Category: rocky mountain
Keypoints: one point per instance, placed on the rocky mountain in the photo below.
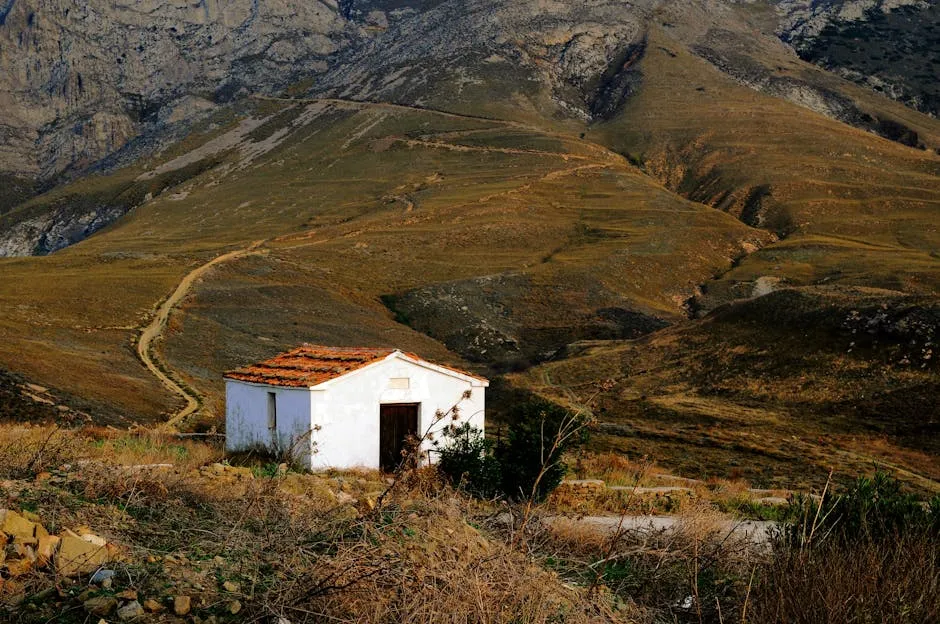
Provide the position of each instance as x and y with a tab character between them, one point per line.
890	46
80	80
102	85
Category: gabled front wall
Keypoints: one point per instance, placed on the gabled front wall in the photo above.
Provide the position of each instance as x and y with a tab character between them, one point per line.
346	413
246	419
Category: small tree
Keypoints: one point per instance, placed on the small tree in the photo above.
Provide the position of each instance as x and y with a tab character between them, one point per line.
540	433
526	466
466	459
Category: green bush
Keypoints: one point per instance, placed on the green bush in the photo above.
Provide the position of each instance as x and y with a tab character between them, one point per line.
536	442
874	508
528	462
867	555
467	461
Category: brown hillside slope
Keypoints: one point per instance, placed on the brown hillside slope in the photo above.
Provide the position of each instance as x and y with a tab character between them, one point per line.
855	209
355	202
784	386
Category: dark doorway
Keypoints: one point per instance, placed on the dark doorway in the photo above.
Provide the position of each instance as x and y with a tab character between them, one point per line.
396	423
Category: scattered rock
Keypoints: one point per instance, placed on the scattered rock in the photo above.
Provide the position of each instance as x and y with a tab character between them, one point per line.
230	586
234	607
153	606
182	605
131	611
16	526
18	567
78	556
774	501
101	606
127	594
101	576
346	513
344	498
582	486
46	545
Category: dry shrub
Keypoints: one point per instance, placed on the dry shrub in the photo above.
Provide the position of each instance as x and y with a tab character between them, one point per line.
436	568
309	548
145	446
613	469
890	581
605	501
685	574
26	450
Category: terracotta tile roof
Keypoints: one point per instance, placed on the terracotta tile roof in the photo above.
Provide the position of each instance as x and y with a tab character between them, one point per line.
308	365
311	365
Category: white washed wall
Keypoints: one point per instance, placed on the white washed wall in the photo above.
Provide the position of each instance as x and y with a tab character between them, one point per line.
246	418
346	413
339	422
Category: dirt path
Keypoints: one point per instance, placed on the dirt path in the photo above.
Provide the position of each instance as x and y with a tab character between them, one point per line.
154	330
606	154
754	531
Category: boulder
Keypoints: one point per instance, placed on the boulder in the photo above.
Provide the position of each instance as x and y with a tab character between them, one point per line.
102	606
182	605
78	556
46	548
16	526
101	576
153	606
131	611
18	567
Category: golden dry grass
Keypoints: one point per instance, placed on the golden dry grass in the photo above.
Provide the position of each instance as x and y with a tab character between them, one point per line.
305	547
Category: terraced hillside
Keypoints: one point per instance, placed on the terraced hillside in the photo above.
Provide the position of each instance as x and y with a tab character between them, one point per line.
819	348
355	201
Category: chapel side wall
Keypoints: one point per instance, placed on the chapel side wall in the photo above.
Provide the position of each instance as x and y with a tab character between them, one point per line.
346	414
246	418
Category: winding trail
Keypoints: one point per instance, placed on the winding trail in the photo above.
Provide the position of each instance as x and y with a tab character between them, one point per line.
154	330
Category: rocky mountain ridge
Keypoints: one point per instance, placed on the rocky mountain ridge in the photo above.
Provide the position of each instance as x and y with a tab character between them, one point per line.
79	81
889	46
102	86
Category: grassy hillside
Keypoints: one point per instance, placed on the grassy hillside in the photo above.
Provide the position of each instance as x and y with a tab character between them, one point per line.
786	386
778	390
354	202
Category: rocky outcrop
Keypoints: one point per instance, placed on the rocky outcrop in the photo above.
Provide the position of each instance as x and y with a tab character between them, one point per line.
900	51
491	319
803	20
548	57
78	80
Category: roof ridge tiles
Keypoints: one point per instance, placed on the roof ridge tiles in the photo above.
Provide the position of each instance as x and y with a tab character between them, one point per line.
310	365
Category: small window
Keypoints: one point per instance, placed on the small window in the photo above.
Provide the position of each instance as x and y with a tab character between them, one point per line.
272	411
399	383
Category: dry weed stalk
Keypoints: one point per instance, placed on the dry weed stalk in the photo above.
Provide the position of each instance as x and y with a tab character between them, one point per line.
571	426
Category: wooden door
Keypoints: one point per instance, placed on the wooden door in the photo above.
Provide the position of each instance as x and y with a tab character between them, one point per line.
396	423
